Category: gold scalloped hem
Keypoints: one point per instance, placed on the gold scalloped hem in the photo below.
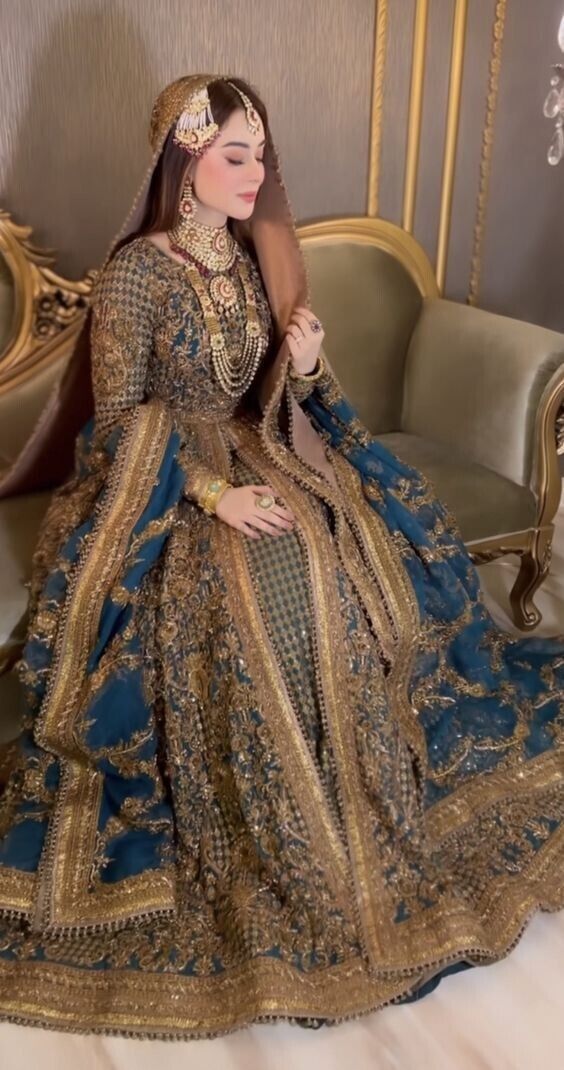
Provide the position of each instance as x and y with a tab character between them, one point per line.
130	1004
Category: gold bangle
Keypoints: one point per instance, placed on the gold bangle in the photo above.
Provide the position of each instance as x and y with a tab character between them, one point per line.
212	493
310	377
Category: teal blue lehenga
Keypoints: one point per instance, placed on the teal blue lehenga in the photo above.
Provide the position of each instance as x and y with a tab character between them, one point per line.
302	776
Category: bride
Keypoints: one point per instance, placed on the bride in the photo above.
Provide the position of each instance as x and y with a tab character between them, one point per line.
277	760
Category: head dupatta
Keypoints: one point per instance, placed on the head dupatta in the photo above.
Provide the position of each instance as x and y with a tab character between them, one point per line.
47	457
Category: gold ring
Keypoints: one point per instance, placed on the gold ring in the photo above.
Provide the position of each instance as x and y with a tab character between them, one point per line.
266	501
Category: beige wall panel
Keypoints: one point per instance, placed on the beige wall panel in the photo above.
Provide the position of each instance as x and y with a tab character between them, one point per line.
79	77
396	107
435	101
523	262
522	251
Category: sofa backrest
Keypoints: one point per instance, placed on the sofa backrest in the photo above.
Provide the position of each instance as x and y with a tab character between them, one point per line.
368	291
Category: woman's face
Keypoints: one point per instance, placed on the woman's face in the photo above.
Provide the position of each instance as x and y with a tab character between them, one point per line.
231	168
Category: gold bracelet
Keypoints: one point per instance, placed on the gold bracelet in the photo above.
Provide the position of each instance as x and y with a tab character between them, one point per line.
212	493
309	377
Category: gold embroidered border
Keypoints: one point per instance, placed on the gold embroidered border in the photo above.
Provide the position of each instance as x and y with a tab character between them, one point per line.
435	930
482	791
291	745
60	888
170	1006
390	573
334	671
17	890
435	934
368	889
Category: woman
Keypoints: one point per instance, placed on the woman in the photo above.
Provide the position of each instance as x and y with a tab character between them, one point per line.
277	761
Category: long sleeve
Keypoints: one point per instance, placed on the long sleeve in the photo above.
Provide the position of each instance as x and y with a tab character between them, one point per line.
121	338
197	473
129	300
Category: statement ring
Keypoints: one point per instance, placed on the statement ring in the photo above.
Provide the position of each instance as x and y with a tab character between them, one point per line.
266	501
316	326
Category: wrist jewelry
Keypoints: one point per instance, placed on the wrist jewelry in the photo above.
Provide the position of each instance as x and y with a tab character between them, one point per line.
310	376
212	493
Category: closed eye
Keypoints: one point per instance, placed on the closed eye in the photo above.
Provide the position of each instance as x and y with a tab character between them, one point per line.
237	163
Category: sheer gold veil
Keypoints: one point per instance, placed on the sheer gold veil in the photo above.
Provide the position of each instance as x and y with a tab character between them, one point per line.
47	458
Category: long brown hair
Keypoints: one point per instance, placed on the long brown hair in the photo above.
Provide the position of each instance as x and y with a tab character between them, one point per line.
175	165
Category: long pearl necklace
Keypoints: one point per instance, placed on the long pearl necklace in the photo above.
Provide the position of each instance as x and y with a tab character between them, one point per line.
212	253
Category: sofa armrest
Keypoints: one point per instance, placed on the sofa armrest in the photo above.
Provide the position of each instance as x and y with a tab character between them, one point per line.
474	381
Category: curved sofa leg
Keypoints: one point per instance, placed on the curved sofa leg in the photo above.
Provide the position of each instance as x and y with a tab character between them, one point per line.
535	563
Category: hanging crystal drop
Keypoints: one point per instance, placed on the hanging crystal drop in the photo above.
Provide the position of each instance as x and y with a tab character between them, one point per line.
556	150
552	104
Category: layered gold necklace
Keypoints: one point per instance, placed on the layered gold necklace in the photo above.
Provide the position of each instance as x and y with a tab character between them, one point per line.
212	259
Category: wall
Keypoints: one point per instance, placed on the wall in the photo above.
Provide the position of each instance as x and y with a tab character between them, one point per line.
506	251
79	78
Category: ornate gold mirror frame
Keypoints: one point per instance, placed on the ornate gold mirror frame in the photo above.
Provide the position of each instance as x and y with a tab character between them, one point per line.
48	309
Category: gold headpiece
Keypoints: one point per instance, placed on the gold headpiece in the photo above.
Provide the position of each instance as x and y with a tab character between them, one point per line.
196	127
253	117
187	104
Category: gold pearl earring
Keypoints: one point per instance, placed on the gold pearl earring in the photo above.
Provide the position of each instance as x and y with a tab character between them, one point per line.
188	201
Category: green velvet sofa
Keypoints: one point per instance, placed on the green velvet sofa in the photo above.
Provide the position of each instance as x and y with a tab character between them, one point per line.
474	400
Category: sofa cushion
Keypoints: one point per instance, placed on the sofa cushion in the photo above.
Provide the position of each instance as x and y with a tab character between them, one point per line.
474	380
484	503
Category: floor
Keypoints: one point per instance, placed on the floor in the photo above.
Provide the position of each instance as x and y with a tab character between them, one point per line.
508	1016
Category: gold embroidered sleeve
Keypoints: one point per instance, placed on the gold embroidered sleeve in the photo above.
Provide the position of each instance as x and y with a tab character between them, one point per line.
197	473
121	337
303	385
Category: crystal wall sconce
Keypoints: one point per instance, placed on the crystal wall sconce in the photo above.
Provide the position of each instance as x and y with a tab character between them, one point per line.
554	105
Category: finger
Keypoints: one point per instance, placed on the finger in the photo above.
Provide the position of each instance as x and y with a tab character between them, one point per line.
280	523
248	530
265	525
304	322
263	490
310	319
282	516
286	514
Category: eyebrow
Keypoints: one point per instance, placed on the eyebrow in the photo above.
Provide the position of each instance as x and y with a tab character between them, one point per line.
242	144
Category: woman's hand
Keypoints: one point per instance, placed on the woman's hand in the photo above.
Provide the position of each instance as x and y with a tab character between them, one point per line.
238	507
303	342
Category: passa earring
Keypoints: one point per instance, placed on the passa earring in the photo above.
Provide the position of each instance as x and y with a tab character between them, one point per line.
188	205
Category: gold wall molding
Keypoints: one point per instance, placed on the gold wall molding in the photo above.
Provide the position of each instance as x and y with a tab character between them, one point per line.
498	34
415	112
378	77
451	141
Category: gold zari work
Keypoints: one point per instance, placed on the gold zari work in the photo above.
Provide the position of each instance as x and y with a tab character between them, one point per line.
320	861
